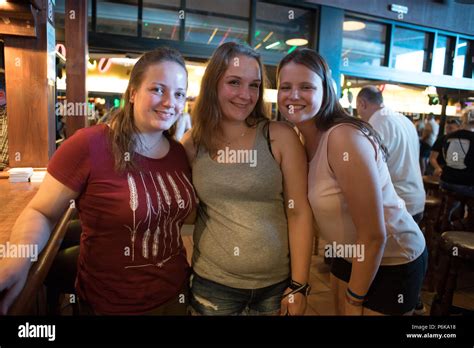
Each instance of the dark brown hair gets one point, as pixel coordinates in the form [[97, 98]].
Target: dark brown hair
[[207, 112], [331, 112], [122, 124]]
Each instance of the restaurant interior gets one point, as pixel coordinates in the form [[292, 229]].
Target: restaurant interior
[[49, 60]]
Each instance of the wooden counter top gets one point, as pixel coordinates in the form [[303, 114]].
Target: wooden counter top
[[14, 197]]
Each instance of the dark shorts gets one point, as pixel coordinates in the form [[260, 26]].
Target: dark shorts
[[211, 298], [395, 289]]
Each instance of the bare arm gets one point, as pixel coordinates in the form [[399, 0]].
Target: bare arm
[[188, 144], [289, 151], [352, 158], [33, 226], [434, 162]]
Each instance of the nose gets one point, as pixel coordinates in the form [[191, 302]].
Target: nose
[[294, 94], [244, 93], [168, 100]]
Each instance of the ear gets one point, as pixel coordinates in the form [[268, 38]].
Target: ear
[[132, 95]]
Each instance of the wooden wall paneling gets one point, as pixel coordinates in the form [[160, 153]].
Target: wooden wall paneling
[[75, 22], [29, 98]]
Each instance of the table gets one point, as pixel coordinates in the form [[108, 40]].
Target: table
[[14, 197]]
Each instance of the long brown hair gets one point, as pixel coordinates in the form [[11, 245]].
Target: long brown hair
[[124, 131], [207, 112], [331, 112]]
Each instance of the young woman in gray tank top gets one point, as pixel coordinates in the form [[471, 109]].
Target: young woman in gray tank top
[[378, 251], [253, 233]]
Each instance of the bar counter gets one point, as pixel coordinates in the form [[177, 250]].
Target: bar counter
[[14, 197]]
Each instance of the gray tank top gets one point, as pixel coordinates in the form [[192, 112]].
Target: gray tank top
[[241, 232]]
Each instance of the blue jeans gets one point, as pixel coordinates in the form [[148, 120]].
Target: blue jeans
[[210, 298]]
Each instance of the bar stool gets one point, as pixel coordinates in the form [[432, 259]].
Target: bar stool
[[456, 249], [62, 274], [427, 224]]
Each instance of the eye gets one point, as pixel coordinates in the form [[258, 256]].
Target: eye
[[180, 95], [158, 90], [255, 85], [284, 88], [234, 82], [308, 87]]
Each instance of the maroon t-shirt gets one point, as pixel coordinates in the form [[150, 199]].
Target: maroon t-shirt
[[132, 257]]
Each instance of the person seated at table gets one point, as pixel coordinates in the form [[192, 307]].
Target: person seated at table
[[131, 184], [458, 153], [457, 176], [436, 157]]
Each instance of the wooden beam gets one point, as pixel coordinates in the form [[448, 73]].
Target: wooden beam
[[75, 24], [17, 29], [30, 98]]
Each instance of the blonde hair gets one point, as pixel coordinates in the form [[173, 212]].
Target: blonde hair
[[207, 112], [124, 131], [468, 116]]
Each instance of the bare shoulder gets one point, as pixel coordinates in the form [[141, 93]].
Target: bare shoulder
[[282, 131], [189, 146], [347, 137]]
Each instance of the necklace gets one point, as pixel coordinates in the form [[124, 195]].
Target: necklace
[[150, 147], [236, 138]]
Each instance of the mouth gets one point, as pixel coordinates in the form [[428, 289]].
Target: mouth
[[295, 107], [166, 115], [240, 106]]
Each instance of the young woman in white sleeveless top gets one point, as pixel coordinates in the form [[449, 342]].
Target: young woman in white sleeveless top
[[379, 255]]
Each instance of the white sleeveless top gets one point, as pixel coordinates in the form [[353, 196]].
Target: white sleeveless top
[[405, 241]]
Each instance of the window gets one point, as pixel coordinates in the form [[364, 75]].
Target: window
[[161, 19], [441, 54], [460, 58], [363, 42], [282, 29], [215, 22], [115, 17], [409, 49]]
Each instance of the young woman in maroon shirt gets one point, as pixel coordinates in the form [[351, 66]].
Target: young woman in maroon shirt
[[131, 184]]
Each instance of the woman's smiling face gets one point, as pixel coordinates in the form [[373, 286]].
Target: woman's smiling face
[[238, 88], [300, 93], [160, 99]]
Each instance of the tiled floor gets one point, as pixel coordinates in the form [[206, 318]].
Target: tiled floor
[[320, 301]]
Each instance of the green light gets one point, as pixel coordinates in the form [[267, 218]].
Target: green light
[[292, 49], [116, 103], [146, 24], [257, 33]]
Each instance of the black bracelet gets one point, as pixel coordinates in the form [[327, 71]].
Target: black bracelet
[[358, 297]]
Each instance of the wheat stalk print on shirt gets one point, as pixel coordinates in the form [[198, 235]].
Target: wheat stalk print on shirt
[[165, 218]]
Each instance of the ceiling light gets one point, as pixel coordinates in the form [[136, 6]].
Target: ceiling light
[[272, 45], [353, 25], [296, 42]]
